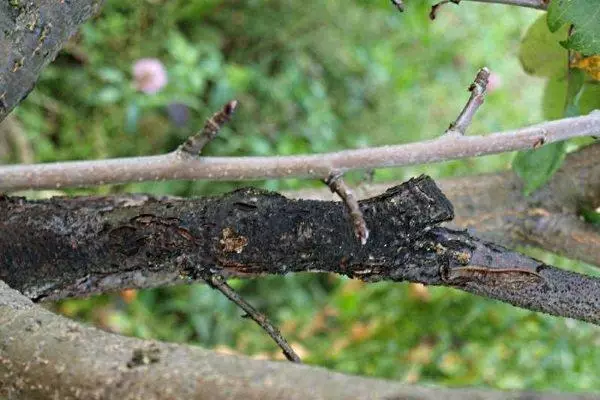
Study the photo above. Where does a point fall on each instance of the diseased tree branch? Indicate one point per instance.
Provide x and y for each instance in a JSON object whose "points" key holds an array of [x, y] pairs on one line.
{"points": [[494, 206], [172, 166], [72, 247], [54, 357]]}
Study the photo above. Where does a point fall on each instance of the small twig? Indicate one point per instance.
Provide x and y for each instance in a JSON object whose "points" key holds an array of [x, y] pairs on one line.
{"points": [[337, 185], [477, 89], [194, 144], [399, 4], [217, 282]]}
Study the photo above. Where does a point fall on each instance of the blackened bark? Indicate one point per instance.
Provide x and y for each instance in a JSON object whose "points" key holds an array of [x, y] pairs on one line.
{"points": [[494, 206], [72, 247], [31, 34]]}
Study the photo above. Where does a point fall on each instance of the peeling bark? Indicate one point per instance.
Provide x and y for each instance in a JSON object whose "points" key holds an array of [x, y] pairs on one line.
{"points": [[76, 246], [494, 208]]}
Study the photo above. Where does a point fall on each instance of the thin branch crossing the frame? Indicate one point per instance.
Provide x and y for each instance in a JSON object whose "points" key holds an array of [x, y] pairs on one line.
{"points": [[316, 166], [536, 4]]}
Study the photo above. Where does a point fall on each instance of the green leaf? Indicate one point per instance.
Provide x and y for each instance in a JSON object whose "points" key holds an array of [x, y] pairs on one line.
{"points": [[590, 98], [584, 15], [535, 167], [540, 53], [574, 88], [553, 100], [590, 215]]}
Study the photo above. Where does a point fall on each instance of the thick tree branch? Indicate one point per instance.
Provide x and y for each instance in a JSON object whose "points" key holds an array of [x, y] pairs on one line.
{"points": [[54, 357], [172, 166], [494, 206], [72, 247], [31, 34]]}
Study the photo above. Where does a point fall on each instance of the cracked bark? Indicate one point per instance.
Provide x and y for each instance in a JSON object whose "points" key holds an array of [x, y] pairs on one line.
{"points": [[76, 246], [494, 207], [63, 247]]}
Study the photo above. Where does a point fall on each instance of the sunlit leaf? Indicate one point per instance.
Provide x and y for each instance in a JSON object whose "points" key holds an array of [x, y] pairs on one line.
{"points": [[540, 53]]}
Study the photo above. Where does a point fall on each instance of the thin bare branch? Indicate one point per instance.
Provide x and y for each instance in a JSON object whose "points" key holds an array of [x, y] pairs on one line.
{"points": [[477, 89], [536, 4], [338, 186], [217, 282], [399, 4], [315, 166], [194, 144]]}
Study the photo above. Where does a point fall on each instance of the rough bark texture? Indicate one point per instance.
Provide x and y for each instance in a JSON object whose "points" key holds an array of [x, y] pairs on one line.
{"points": [[45, 356], [76, 246], [494, 208], [31, 34]]}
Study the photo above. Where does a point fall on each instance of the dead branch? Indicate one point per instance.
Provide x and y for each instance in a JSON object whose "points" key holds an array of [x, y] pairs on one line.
{"points": [[76, 246], [495, 208]]}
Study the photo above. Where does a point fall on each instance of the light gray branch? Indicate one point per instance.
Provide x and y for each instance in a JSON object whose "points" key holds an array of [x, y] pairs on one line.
{"points": [[45, 356], [173, 166], [537, 4]]}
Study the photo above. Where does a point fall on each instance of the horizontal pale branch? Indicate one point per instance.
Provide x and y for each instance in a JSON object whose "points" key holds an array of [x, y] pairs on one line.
{"points": [[537, 4], [48, 356], [176, 166], [73, 247]]}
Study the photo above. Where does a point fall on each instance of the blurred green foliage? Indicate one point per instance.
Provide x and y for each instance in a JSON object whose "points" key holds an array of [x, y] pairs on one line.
{"points": [[311, 76]]}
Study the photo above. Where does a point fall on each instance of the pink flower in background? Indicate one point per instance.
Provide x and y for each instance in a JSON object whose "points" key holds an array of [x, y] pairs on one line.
{"points": [[494, 82], [150, 75]]}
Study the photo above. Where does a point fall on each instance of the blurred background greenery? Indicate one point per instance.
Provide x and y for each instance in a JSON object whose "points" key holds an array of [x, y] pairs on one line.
{"points": [[311, 76]]}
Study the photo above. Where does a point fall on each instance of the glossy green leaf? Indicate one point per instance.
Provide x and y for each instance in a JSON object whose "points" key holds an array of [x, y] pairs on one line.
{"points": [[584, 15], [535, 167], [540, 52]]}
